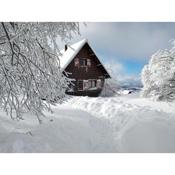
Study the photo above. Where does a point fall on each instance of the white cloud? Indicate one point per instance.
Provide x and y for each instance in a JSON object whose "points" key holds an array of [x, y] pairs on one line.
{"points": [[117, 72], [131, 40], [136, 41], [114, 68], [127, 40]]}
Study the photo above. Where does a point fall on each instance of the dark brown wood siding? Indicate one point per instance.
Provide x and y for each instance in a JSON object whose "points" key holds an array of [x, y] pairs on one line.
{"points": [[92, 72], [95, 71]]}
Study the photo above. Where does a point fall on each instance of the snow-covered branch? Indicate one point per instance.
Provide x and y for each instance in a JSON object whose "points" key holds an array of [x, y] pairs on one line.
{"points": [[158, 77], [29, 66]]}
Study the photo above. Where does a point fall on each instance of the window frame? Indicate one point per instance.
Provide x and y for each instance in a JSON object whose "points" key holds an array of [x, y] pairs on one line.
{"points": [[91, 82], [84, 60]]}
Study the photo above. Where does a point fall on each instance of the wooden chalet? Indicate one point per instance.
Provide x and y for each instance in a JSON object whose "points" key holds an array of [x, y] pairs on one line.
{"points": [[84, 68]]}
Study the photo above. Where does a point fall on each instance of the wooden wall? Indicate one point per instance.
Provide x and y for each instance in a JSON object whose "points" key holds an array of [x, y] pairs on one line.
{"points": [[95, 71]]}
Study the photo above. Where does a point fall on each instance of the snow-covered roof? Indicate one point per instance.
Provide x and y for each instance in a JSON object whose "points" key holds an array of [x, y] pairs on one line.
{"points": [[72, 50], [68, 55]]}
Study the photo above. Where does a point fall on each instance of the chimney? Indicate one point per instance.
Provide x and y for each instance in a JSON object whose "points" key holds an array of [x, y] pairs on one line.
{"points": [[66, 47]]}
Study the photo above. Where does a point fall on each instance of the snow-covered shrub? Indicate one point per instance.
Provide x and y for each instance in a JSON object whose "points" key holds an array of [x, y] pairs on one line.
{"points": [[158, 77], [29, 66]]}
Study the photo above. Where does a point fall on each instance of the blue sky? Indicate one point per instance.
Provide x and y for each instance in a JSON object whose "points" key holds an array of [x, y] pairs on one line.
{"points": [[132, 66], [126, 47]]}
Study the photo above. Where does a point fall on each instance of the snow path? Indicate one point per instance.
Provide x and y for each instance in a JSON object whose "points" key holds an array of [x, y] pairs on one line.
{"points": [[67, 130], [118, 110], [83, 124], [133, 120]]}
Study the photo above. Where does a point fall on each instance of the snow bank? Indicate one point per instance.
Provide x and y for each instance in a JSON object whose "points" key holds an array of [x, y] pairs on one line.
{"points": [[139, 125], [64, 131], [153, 136], [83, 124]]}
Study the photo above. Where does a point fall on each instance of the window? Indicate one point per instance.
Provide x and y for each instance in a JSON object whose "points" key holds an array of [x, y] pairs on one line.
{"points": [[83, 62], [95, 83], [92, 83], [89, 84]]}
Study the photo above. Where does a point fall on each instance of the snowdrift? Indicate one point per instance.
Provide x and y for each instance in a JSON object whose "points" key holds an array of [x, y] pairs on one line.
{"points": [[82, 124], [66, 130], [139, 125]]}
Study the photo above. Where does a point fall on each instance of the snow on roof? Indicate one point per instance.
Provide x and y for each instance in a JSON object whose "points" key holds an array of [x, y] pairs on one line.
{"points": [[72, 50], [68, 55]]}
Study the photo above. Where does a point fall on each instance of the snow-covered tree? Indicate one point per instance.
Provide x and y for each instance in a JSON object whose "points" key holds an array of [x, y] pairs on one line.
{"points": [[158, 77], [29, 66]]}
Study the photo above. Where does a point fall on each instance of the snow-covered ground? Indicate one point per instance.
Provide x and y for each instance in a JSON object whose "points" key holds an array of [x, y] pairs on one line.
{"points": [[139, 125], [124, 123]]}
